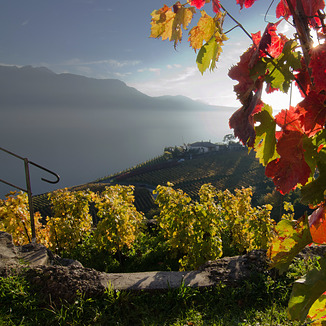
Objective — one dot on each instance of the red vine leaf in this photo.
(197, 3)
(241, 73)
(246, 3)
(310, 8)
(302, 79)
(317, 223)
(318, 66)
(289, 120)
(242, 121)
(291, 168)
(312, 113)
(282, 10)
(271, 42)
(216, 6)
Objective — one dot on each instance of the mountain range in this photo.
(85, 128)
(40, 87)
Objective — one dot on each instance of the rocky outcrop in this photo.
(16, 258)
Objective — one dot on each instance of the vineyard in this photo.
(224, 170)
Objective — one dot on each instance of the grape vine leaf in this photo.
(246, 3)
(318, 66)
(241, 73)
(251, 69)
(271, 43)
(310, 151)
(291, 237)
(198, 3)
(162, 21)
(310, 8)
(306, 291)
(167, 23)
(317, 223)
(209, 53)
(216, 6)
(242, 120)
(280, 68)
(182, 19)
(289, 120)
(314, 192)
(265, 142)
(291, 168)
(203, 31)
(312, 112)
(302, 79)
(317, 311)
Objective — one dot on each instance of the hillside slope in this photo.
(224, 170)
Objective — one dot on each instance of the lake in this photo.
(83, 145)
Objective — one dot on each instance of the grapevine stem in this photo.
(231, 29)
(268, 11)
(26, 231)
(301, 24)
(238, 23)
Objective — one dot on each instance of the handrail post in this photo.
(30, 199)
(28, 186)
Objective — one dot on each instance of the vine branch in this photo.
(236, 21)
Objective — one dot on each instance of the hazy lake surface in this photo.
(83, 145)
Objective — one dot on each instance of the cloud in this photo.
(120, 75)
(214, 88)
(286, 29)
(122, 63)
(185, 74)
(111, 62)
(84, 70)
(10, 65)
(173, 66)
(156, 70)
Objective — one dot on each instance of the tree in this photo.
(290, 144)
(229, 138)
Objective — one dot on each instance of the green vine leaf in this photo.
(292, 236)
(265, 142)
(279, 70)
(317, 311)
(306, 291)
(314, 192)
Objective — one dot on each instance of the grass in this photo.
(259, 301)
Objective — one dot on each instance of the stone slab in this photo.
(155, 280)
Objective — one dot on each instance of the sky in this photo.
(110, 39)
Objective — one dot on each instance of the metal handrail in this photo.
(28, 185)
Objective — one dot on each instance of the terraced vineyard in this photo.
(224, 170)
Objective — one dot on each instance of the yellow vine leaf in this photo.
(168, 22)
(291, 237)
(317, 311)
(182, 18)
(202, 32)
(162, 22)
